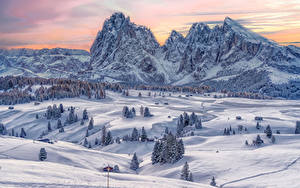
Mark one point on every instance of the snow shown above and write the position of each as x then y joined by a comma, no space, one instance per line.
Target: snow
234,165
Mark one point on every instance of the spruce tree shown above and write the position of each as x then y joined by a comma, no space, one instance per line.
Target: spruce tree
213,181
59,125
23,133
134,165
273,139
91,124
297,130
185,172
268,131
198,123
134,135
49,126
109,139
61,130
155,157
191,177
85,143
143,135
116,169
147,112
103,138
85,115
42,154
61,108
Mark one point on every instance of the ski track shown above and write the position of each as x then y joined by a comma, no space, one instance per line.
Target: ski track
262,174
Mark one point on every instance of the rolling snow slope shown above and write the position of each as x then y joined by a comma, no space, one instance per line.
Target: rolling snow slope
234,165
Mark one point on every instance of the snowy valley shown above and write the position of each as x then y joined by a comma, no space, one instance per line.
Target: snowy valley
76,159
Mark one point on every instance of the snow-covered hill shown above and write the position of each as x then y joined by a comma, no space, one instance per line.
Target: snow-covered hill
208,153
46,63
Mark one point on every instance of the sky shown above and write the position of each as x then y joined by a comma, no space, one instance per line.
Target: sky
74,23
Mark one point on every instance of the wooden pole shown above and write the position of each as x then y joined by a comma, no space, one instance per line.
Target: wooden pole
108,178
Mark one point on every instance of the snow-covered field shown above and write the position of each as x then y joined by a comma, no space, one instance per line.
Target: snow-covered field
208,153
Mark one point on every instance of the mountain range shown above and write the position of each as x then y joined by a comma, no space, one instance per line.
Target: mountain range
227,56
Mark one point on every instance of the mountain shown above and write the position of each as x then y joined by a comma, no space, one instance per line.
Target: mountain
57,62
227,56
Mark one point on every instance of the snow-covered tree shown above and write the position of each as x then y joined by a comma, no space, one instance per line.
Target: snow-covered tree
118,140
297,130
155,157
213,182
23,133
258,125
59,125
2,129
49,127
109,139
103,136
198,123
116,169
43,154
147,112
61,108
133,112
61,130
268,131
134,165
258,141
184,175
142,111
143,135
134,135
91,124
82,122
85,115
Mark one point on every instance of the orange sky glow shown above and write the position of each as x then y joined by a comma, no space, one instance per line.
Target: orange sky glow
74,23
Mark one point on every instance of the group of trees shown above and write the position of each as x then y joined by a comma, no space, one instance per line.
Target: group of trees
228,131
4,131
136,136
54,112
128,113
105,139
167,150
185,120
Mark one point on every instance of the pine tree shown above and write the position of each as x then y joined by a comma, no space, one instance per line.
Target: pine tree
179,128
143,135
12,132
90,145
246,143
85,115
61,130
180,150
118,140
147,112
2,129
59,125
103,138
109,139
42,154
116,169
134,165
133,112
134,135
156,152
198,123
49,112
297,130
185,172
49,126
268,131
258,141
258,125
61,108
82,122
36,116
91,124
213,181
166,130
142,111
87,133
23,133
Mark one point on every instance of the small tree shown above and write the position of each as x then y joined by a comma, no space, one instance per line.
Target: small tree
91,124
61,108
49,126
213,181
134,165
23,133
185,172
143,135
42,154
59,125
268,131
85,115
198,123
297,130
61,130
116,169
85,143
134,135
36,116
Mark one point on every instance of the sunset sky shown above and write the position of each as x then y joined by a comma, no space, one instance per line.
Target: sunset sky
74,23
